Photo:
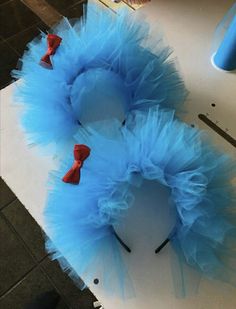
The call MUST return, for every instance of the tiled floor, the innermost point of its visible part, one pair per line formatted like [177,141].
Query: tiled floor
[25,268]
[19,25]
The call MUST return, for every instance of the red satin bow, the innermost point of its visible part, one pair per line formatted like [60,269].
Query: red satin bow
[81,153]
[53,41]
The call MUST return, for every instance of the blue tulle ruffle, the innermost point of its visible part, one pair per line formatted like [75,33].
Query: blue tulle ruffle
[151,145]
[104,52]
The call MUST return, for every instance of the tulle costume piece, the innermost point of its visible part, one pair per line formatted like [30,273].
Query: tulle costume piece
[110,58]
[115,49]
[80,217]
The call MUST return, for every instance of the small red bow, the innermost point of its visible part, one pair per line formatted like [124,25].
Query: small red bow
[81,153]
[53,41]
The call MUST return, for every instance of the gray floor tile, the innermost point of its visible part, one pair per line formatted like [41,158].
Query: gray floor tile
[15,261]
[27,228]
[76,298]
[30,287]
[19,41]
[8,61]
[15,17]
[3,1]
[60,5]
[6,195]
[74,11]
[47,13]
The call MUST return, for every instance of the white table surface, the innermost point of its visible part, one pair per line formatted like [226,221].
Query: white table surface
[188,26]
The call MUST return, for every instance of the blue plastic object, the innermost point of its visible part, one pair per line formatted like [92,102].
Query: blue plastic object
[225,57]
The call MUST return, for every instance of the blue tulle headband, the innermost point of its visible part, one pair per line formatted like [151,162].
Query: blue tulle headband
[105,54]
[146,147]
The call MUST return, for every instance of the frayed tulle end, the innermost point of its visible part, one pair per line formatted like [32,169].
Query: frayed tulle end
[65,266]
